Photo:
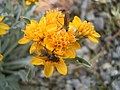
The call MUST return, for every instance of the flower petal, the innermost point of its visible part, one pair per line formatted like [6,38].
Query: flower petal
[48,69]
[2,32]
[42,21]
[49,47]
[95,34]
[36,61]
[28,2]
[33,48]
[62,68]
[1,57]
[4,26]
[75,46]
[51,27]
[70,53]
[93,39]
[1,18]
[24,40]
[76,22]
[36,3]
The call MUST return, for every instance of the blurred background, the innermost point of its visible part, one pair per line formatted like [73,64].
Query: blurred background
[16,73]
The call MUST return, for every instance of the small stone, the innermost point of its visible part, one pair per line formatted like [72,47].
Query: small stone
[76,83]
[116,42]
[69,82]
[82,50]
[118,51]
[43,88]
[106,66]
[114,72]
[90,15]
[115,55]
[68,87]
[79,86]
[116,84]
[99,23]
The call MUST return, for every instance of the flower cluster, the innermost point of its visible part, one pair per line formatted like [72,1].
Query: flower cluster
[3,29]
[52,43]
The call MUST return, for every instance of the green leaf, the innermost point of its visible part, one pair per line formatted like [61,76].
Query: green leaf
[25,19]
[83,61]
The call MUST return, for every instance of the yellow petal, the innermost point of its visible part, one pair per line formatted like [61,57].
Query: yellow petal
[48,69]
[70,53]
[37,61]
[36,3]
[93,39]
[33,48]
[24,40]
[75,46]
[51,27]
[62,68]
[28,2]
[2,32]
[4,26]
[1,57]
[49,47]
[95,34]
[1,18]
[42,21]
[76,22]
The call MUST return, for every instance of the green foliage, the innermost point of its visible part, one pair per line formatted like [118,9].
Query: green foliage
[83,61]
[13,69]
[79,60]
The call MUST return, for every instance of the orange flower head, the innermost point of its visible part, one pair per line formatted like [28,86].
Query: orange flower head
[49,60]
[85,29]
[61,42]
[33,32]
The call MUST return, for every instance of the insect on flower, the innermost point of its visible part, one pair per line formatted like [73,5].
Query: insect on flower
[66,19]
[50,57]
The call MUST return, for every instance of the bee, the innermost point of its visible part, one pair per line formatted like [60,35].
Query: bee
[51,57]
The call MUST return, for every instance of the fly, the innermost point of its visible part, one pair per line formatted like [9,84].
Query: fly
[51,57]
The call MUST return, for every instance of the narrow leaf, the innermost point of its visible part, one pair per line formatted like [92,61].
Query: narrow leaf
[83,61]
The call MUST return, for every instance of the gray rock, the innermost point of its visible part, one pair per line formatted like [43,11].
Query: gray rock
[68,87]
[43,88]
[79,86]
[118,51]
[90,15]
[99,23]
[106,66]
[116,84]
[114,72]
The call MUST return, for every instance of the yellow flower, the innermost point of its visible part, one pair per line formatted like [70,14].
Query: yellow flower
[55,17]
[29,2]
[62,43]
[1,57]
[3,27]
[36,31]
[50,61]
[85,29]
[33,32]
